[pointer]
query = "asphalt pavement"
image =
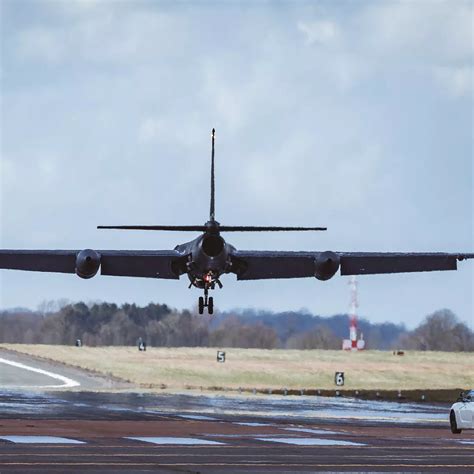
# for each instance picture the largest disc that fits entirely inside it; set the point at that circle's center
(77, 429)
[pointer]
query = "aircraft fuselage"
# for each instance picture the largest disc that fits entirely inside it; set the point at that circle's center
(209, 256)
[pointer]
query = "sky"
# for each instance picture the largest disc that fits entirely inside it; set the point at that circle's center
(352, 115)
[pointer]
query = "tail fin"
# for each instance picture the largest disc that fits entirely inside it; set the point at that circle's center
(213, 188)
(204, 228)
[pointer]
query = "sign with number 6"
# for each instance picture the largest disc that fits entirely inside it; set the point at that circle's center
(339, 379)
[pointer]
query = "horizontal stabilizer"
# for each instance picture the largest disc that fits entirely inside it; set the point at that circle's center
(238, 228)
(203, 228)
(185, 228)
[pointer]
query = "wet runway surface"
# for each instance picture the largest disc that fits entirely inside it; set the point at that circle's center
(146, 406)
(76, 431)
(59, 419)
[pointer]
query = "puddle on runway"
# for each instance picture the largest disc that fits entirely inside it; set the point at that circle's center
(198, 417)
(242, 423)
(316, 408)
(381, 416)
(14, 402)
(242, 409)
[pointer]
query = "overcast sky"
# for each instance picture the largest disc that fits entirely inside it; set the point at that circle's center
(352, 115)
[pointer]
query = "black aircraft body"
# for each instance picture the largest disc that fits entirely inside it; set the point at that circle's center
(206, 258)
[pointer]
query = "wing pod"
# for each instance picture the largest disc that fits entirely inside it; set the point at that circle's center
(326, 265)
(87, 263)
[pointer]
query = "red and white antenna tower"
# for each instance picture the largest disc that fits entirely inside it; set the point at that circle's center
(352, 343)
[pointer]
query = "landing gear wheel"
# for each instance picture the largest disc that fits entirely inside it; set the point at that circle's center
(210, 305)
(201, 305)
(454, 425)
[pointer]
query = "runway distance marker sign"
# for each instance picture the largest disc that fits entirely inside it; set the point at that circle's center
(221, 356)
(339, 379)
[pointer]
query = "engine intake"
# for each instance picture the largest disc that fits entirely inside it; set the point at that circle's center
(213, 245)
(87, 263)
(326, 265)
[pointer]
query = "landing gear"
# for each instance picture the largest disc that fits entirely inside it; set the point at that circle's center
(206, 302)
(207, 282)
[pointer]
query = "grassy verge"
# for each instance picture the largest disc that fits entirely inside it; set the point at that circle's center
(179, 368)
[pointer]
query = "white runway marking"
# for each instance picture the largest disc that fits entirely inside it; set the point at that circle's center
(244, 435)
(312, 431)
(251, 424)
(67, 382)
(466, 442)
(172, 440)
(198, 417)
(41, 440)
(311, 441)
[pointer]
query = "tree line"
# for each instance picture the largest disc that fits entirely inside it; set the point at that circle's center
(159, 325)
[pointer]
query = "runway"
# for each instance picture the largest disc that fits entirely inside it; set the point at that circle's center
(19, 371)
(73, 431)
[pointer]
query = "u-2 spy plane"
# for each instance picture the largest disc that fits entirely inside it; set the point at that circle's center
(206, 258)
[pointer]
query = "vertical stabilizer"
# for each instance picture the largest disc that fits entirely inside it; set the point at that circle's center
(212, 212)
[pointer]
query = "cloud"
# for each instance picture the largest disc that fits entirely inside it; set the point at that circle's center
(456, 81)
(41, 44)
(322, 32)
(430, 32)
(432, 41)
(99, 33)
(324, 115)
(151, 129)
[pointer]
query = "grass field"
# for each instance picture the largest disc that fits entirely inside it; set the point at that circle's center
(179, 368)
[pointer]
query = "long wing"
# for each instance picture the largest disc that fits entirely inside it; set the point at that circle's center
(141, 263)
(165, 264)
(260, 265)
(257, 265)
(367, 263)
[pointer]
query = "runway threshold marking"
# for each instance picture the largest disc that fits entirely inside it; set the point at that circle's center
(40, 440)
(245, 435)
(310, 441)
(167, 440)
(67, 382)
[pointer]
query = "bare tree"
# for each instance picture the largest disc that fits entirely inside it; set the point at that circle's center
(319, 338)
(440, 331)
